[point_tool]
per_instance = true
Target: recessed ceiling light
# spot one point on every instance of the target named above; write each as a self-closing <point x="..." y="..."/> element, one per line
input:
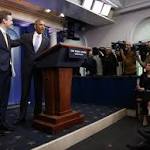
<point x="47" y="10"/>
<point x="97" y="6"/>
<point x="105" y="10"/>
<point x="62" y="15"/>
<point x="87" y="4"/>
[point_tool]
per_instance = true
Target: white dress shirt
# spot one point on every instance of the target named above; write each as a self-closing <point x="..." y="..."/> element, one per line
<point x="4" y="34"/>
<point x="6" y="40"/>
<point x="37" y="39"/>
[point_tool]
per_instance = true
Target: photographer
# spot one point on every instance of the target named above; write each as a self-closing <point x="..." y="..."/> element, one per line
<point x="109" y="62"/>
<point x="97" y="56"/>
<point x="90" y="65"/>
<point x="143" y="52"/>
<point x="129" y="60"/>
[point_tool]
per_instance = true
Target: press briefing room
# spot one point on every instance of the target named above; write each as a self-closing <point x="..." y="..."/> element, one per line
<point x="74" y="75"/>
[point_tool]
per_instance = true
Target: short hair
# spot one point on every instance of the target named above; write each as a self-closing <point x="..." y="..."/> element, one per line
<point x="95" y="51"/>
<point x="4" y="14"/>
<point x="37" y="21"/>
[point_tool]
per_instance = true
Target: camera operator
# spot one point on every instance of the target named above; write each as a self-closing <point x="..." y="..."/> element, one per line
<point x="129" y="60"/>
<point x="97" y="56"/>
<point x="116" y="46"/>
<point x="90" y="65"/>
<point x="109" y="62"/>
<point x="142" y="52"/>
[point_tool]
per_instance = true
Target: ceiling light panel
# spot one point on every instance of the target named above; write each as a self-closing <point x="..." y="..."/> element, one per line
<point x="87" y="4"/>
<point x="97" y="6"/>
<point x="106" y="9"/>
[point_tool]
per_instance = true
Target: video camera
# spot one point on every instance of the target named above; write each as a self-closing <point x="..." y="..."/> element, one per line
<point x="118" y="45"/>
<point x="142" y="48"/>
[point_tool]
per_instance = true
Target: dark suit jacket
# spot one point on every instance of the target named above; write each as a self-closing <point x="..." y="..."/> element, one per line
<point x="5" y="53"/>
<point x="29" y="53"/>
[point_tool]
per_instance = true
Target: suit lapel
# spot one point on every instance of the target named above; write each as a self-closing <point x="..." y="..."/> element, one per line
<point x="31" y="40"/>
<point x="43" y="42"/>
<point x="3" y="42"/>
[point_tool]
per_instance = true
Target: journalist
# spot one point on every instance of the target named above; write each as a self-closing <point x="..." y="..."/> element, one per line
<point x="143" y="53"/>
<point x="129" y="60"/>
<point x="109" y="62"/>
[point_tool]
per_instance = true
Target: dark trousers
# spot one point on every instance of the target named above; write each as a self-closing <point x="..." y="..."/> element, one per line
<point x="5" y="79"/>
<point x="26" y="84"/>
<point x="145" y="95"/>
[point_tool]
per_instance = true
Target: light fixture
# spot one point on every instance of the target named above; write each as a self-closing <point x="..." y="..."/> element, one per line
<point x="106" y="9"/>
<point x="47" y="10"/>
<point x="62" y="15"/>
<point x="87" y="4"/>
<point x="97" y="6"/>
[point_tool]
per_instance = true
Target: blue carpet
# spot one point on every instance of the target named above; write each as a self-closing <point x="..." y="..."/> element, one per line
<point x="25" y="137"/>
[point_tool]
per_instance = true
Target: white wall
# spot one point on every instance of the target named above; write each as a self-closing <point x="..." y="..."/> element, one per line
<point x="132" y="2"/>
<point x="123" y="29"/>
<point x="142" y="31"/>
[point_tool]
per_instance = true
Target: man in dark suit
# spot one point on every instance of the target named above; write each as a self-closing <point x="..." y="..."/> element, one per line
<point x="33" y="44"/>
<point x="5" y="66"/>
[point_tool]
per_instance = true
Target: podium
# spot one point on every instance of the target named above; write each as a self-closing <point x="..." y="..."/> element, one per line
<point x="56" y="66"/>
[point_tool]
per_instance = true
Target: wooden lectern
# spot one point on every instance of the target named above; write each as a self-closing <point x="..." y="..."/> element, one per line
<point x="56" y="65"/>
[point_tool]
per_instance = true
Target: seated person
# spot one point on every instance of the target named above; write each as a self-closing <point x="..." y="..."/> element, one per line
<point x="144" y="92"/>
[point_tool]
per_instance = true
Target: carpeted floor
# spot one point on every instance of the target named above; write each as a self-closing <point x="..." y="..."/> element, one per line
<point x="115" y="137"/>
<point x="25" y="137"/>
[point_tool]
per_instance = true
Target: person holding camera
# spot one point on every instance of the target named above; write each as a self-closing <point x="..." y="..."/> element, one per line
<point x="109" y="62"/>
<point x="129" y="60"/>
<point x="143" y="53"/>
<point x="90" y="65"/>
<point x="97" y="56"/>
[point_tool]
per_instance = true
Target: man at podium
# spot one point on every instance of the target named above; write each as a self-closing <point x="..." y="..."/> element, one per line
<point x="33" y="44"/>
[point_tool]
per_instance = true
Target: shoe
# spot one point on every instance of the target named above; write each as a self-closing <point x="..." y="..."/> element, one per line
<point x="20" y="122"/>
<point x="131" y="147"/>
<point x="145" y="135"/>
<point x="2" y="133"/>
<point x="6" y="127"/>
<point x="141" y="146"/>
<point x="145" y="130"/>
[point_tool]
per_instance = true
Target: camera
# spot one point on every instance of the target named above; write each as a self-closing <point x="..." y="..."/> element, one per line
<point x="142" y="48"/>
<point x="118" y="45"/>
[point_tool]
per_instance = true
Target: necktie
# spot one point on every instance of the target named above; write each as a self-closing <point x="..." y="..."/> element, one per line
<point x="37" y="43"/>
